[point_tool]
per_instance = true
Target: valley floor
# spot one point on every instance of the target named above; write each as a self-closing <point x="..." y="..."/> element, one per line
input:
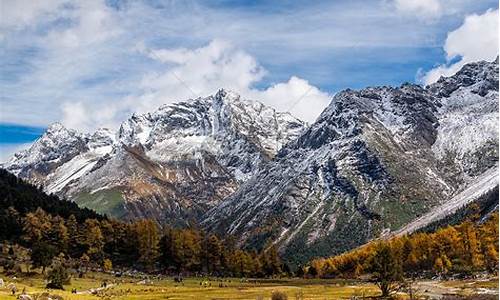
<point x="199" y="288"/>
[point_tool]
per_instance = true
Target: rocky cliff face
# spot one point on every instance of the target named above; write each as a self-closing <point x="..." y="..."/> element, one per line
<point x="171" y="165"/>
<point x="377" y="161"/>
<point x="374" y="160"/>
<point x="55" y="147"/>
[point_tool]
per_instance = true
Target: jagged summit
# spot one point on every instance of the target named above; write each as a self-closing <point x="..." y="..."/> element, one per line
<point x="482" y="75"/>
<point x="170" y="164"/>
<point x="227" y="94"/>
<point x="375" y="159"/>
<point x="55" y="127"/>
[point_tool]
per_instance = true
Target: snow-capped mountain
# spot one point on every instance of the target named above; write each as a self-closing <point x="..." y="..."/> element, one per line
<point x="375" y="160"/>
<point x="55" y="147"/>
<point x="172" y="164"/>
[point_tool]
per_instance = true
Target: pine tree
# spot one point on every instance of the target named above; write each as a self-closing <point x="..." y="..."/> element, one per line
<point x="94" y="240"/>
<point x="148" y="242"/>
<point x="57" y="277"/>
<point x="213" y="253"/>
<point x="58" y="234"/>
<point x="271" y="261"/>
<point x="75" y="238"/>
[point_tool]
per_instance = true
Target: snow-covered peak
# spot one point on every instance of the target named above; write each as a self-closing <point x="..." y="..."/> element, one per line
<point x="406" y="111"/>
<point x="57" y="145"/>
<point x="55" y="128"/>
<point x="217" y="116"/>
<point x="468" y="118"/>
<point x="227" y="95"/>
<point x="481" y="77"/>
<point x="102" y="137"/>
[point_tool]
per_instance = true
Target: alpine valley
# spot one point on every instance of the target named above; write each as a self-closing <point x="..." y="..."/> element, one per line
<point x="377" y="162"/>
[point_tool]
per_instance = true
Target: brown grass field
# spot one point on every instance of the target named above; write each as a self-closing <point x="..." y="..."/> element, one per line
<point x="128" y="288"/>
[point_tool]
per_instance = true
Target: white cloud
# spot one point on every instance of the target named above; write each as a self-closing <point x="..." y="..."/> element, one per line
<point x="200" y="72"/>
<point x="476" y="39"/>
<point x="297" y="96"/>
<point x="419" y="8"/>
<point x="204" y="70"/>
<point x="94" y="22"/>
<point x="19" y="13"/>
<point x="90" y="58"/>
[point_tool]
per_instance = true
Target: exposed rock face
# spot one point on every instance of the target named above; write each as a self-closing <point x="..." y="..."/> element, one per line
<point x="54" y="148"/>
<point x="374" y="160"/>
<point x="171" y="165"/>
<point x="377" y="161"/>
<point x="468" y="114"/>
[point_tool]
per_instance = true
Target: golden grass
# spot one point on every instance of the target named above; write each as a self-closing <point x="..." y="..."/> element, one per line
<point x="128" y="288"/>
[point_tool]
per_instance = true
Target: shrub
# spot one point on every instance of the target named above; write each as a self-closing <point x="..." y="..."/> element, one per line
<point x="277" y="295"/>
<point x="107" y="265"/>
<point x="57" y="277"/>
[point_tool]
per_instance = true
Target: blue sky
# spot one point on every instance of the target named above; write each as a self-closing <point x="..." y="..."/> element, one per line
<point x="92" y="63"/>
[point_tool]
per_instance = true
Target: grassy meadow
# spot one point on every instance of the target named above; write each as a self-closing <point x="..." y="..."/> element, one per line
<point x="200" y="288"/>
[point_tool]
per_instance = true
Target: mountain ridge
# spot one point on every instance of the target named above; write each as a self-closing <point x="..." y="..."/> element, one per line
<point x="166" y="160"/>
<point x="375" y="160"/>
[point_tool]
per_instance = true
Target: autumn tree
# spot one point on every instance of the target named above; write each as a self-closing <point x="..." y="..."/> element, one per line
<point x="148" y="242"/>
<point x="75" y="237"/>
<point x="271" y="261"/>
<point x="93" y="240"/>
<point x="472" y="247"/>
<point x="42" y="254"/>
<point x="36" y="226"/>
<point x="386" y="269"/>
<point x="489" y="243"/>
<point x="58" y="234"/>
<point x="107" y="265"/>
<point x="214" y="251"/>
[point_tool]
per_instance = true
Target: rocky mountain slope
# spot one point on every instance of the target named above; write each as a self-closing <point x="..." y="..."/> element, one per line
<point x="172" y="164"/>
<point x="378" y="161"/>
<point x="375" y="160"/>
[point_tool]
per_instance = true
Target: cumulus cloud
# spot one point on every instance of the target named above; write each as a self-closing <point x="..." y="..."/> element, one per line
<point x="94" y="22"/>
<point x="476" y="39"/>
<point x="296" y="96"/>
<point x="202" y="71"/>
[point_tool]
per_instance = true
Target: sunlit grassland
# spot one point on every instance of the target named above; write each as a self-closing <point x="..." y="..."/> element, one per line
<point x="234" y="288"/>
<point x="128" y="288"/>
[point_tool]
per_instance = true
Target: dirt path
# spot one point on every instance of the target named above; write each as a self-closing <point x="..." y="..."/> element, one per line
<point x="92" y="291"/>
<point x="434" y="289"/>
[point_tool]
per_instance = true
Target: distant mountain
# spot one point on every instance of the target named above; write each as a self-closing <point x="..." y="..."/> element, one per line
<point x="375" y="160"/>
<point x="378" y="161"/>
<point x="171" y="165"/>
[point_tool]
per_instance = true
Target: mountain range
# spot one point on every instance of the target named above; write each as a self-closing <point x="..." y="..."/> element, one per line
<point x="377" y="161"/>
<point x="171" y="165"/>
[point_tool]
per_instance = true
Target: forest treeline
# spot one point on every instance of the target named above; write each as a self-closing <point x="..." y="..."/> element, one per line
<point x="53" y="229"/>
<point x="462" y="249"/>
